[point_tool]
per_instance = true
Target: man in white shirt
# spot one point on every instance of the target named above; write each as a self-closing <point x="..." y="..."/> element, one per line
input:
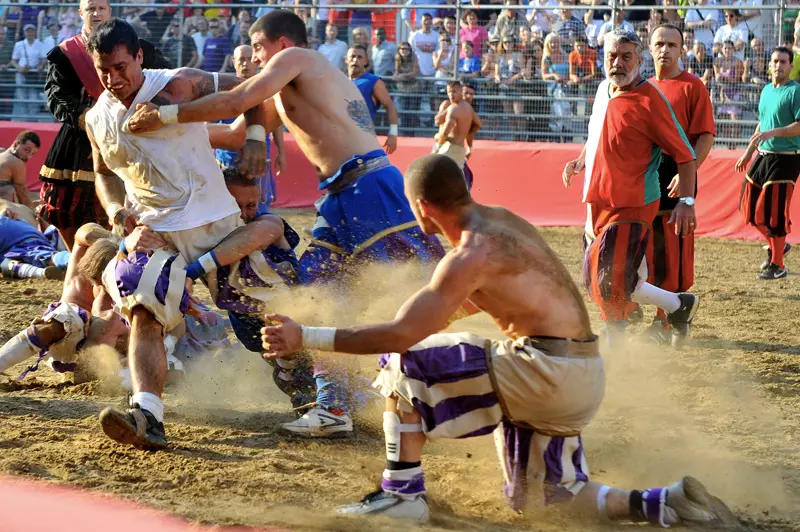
<point x="758" y="21"/>
<point x="51" y="40"/>
<point x="333" y="49"/>
<point x="542" y="14"/>
<point x="732" y="31"/>
<point x="201" y="36"/>
<point x="28" y="58"/>
<point x="703" y="22"/>
<point x="424" y="43"/>
<point x="621" y="23"/>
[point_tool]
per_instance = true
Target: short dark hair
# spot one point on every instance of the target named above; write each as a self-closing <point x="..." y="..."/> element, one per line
<point x="668" y="25"/>
<point x="426" y="15"/>
<point x="28" y="135"/>
<point x="233" y="175"/>
<point x="112" y="33"/>
<point x="784" y="50"/>
<point x="451" y="17"/>
<point x="469" y="85"/>
<point x="581" y="39"/>
<point x="281" y="23"/>
<point x="438" y="180"/>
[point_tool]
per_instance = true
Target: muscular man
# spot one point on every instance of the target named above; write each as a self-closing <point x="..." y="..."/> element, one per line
<point x="455" y="125"/>
<point x="245" y="69"/>
<point x="174" y="186"/>
<point x="672" y="256"/>
<point x="468" y="93"/>
<point x="536" y="390"/>
<point x="72" y="87"/>
<point x="363" y="216"/>
<point x="770" y="180"/>
<point x="12" y="164"/>
<point x="374" y="91"/>
<point x="621" y="190"/>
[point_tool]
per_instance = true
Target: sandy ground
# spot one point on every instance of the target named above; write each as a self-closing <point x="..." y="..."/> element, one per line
<point x="725" y="409"/>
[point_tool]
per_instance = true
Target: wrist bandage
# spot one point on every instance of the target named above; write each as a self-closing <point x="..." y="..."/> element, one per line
<point x="320" y="338"/>
<point x="392" y="130"/>
<point x="205" y="264"/>
<point x="256" y="132"/>
<point x="113" y="210"/>
<point x="168" y="114"/>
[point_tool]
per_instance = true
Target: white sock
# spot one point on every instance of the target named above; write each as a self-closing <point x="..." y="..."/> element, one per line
<point x="647" y="294"/>
<point x="150" y="402"/>
<point x="16" y="350"/>
<point x="14" y="268"/>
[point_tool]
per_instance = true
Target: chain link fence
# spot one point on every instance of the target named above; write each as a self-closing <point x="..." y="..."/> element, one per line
<point x="535" y="65"/>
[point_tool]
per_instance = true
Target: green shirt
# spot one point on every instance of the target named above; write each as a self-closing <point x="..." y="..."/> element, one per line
<point x="779" y="107"/>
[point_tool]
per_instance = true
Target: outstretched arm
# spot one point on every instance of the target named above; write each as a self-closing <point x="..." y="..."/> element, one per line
<point x="457" y="276"/>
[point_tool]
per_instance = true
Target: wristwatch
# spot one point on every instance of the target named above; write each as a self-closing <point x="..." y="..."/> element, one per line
<point x="688" y="200"/>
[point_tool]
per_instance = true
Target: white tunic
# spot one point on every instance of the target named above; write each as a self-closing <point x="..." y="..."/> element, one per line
<point x="172" y="179"/>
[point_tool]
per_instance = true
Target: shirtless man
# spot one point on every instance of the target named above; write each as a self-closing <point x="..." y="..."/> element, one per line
<point x="455" y="125"/>
<point x="363" y="216"/>
<point x="468" y="93"/>
<point x="12" y="164"/>
<point x="536" y="390"/>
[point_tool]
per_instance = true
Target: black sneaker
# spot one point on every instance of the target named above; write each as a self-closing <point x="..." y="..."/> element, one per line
<point x="135" y="427"/>
<point x="657" y="333"/>
<point x="764" y="265"/>
<point x="773" y="271"/>
<point x="681" y="319"/>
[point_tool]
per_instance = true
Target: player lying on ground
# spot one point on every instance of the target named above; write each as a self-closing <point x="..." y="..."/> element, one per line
<point x="25" y="251"/>
<point x="537" y="390"/>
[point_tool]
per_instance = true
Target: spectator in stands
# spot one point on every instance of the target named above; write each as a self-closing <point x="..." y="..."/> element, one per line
<point x="360" y="18"/>
<point x="443" y="62"/>
<point x="406" y="71"/>
<point x="192" y="23"/>
<point x="384" y="18"/>
<point x="489" y="63"/>
<point x="732" y="31"/>
<point x="11" y="21"/>
<point x="383" y="54"/>
<point x="424" y="42"/>
<point x="688" y="45"/>
<point x="543" y="14"/>
<point x="272" y="5"/>
<point x="594" y="20"/>
<point x="360" y="35"/>
<point x="672" y="16"/>
<point x="34" y="15"/>
<point x="217" y="51"/>
<point x="469" y="66"/>
<point x="555" y="63"/>
<point x="29" y="59"/>
<point x="756" y="20"/>
<point x="756" y="66"/>
<point x="175" y="40"/>
<point x="509" y="21"/>
<point x="333" y="49"/>
<point x="648" y="68"/>
<point x="569" y="27"/>
<point x="532" y="61"/>
<point x="700" y="63"/>
<point x="508" y="73"/>
<point x="620" y="22"/>
<point x="703" y="22"/>
<point x="525" y="36"/>
<point x="320" y="22"/>
<point x="243" y="37"/>
<point x="157" y="21"/>
<point x="234" y="32"/>
<point x="405" y="14"/>
<point x="728" y="71"/>
<point x="582" y="63"/>
<point x="69" y="22"/>
<point x="52" y="38"/>
<point x="304" y="12"/>
<point x="656" y="17"/>
<point x="450" y="26"/>
<point x="6" y="75"/>
<point x="200" y="37"/>
<point x="476" y="34"/>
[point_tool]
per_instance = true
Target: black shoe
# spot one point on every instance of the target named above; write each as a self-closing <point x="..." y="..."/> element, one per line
<point x="135" y="427"/>
<point x="764" y="265"/>
<point x="657" y="333"/>
<point x="773" y="271"/>
<point x="681" y="319"/>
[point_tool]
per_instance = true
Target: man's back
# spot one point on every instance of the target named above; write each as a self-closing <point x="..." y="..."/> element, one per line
<point x="461" y="113"/>
<point x="527" y="291"/>
<point x="322" y="103"/>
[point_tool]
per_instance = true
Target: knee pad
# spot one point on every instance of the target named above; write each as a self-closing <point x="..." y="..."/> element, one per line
<point x="392" y="429"/>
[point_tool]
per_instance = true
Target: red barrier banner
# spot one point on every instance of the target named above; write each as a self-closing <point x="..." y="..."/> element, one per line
<point x="521" y="176"/>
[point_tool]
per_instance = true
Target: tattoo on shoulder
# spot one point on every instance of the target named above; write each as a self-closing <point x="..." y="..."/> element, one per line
<point x="201" y="83"/>
<point x="359" y="113"/>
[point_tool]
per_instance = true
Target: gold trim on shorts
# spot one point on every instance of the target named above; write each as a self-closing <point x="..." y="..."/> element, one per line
<point x="367" y="243"/>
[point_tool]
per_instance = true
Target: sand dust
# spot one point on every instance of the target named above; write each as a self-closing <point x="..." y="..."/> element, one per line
<point x="725" y="409"/>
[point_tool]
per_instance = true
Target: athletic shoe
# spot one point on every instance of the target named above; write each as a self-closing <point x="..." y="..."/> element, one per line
<point x="693" y="504"/>
<point x="54" y="273"/>
<point x="658" y="333"/>
<point x="786" y="249"/>
<point x="320" y="423"/>
<point x="773" y="271"/>
<point x="681" y="319"/>
<point x="135" y="427"/>
<point x="388" y="504"/>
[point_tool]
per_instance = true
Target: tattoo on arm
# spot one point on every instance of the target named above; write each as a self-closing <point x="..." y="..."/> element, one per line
<point x="160" y="100"/>
<point x="201" y="83"/>
<point x="359" y="113"/>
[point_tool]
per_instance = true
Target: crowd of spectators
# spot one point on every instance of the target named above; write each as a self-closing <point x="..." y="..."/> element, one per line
<point x="535" y="65"/>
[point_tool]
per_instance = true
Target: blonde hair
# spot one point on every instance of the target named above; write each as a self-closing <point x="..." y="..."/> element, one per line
<point x="96" y="258"/>
<point x="547" y="49"/>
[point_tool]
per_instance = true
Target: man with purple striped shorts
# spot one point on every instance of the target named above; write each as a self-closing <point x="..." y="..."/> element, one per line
<point x="536" y="390"/>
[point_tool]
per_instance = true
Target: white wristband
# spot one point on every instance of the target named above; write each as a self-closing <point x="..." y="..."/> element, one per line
<point x="320" y="338"/>
<point x="113" y="210"/>
<point x="168" y="114"/>
<point x="256" y="133"/>
<point x="392" y="130"/>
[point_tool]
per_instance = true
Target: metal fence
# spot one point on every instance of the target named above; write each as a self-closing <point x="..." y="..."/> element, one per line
<point x="522" y="76"/>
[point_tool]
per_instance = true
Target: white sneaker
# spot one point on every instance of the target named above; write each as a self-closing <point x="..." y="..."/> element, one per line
<point x="319" y="423"/>
<point x="387" y="504"/>
<point x="692" y="502"/>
